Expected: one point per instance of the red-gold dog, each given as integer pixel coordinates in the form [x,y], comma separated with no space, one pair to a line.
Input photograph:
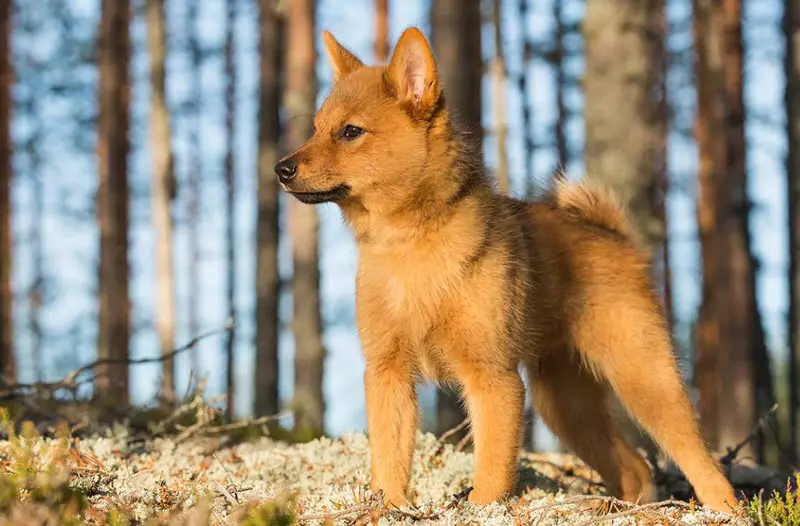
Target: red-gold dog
[458,283]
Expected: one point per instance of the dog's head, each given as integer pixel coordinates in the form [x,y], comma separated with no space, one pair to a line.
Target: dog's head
[372,132]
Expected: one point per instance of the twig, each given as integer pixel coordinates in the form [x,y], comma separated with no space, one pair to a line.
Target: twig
[635,508]
[431,515]
[12,391]
[730,456]
[375,503]
[227,494]
[464,441]
[246,423]
[450,432]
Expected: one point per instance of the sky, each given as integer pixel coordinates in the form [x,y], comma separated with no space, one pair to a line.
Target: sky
[69,177]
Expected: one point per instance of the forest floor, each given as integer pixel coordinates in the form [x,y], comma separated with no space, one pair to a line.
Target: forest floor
[205,473]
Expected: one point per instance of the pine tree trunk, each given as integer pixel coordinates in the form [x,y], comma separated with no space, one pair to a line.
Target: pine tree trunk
[381,31]
[456,31]
[741,320]
[561,84]
[661,116]
[195,175]
[300,103]
[624,131]
[113,148]
[621,134]
[230,184]
[791,63]
[499,77]
[268,228]
[526,105]
[7,356]
[163,191]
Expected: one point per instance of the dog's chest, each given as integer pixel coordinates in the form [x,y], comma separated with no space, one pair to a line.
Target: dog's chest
[413,285]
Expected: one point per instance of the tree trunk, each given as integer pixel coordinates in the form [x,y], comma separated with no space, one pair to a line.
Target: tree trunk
[746,356]
[624,129]
[456,31]
[791,64]
[194,179]
[163,191]
[7,356]
[381,31]
[710,119]
[660,114]
[268,228]
[499,76]
[527,131]
[621,133]
[230,184]
[561,84]
[113,148]
[729,326]
[300,103]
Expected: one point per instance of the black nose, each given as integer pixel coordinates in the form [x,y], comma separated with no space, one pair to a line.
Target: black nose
[286,170]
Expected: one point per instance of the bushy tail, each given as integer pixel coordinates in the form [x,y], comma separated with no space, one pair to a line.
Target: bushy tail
[592,203]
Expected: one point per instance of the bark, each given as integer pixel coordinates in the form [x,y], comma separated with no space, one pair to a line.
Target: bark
[791,64]
[300,102]
[625,131]
[747,375]
[230,184]
[381,31]
[456,32]
[267,227]
[499,77]
[710,118]
[661,117]
[163,191]
[7,356]
[527,130]
[730,335]
[194,178]
[113,148]
[621,133]
[561,84]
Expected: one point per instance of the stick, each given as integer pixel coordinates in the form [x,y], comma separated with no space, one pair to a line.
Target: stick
[70,382]
[730,456]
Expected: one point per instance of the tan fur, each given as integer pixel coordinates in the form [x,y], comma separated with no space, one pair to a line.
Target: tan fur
[458,283]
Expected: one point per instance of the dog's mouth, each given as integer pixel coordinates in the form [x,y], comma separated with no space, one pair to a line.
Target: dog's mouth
[336,193]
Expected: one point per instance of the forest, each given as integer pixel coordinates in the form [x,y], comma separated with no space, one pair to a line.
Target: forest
[154,277]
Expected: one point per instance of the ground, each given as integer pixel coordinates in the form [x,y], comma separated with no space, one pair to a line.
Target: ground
[122,477]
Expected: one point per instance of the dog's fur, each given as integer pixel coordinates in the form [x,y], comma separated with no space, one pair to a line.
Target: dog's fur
[459,283]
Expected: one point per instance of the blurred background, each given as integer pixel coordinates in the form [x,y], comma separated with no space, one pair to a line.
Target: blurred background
[139,208]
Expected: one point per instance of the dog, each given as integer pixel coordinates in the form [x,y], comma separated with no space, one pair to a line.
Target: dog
[459,284]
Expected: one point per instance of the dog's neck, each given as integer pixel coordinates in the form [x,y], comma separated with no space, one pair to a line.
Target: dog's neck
[451,175]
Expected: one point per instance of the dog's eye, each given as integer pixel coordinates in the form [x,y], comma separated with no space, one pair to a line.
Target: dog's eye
[350,132]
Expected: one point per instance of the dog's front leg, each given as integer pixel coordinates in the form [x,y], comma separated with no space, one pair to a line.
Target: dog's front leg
[392,422]
[496,401]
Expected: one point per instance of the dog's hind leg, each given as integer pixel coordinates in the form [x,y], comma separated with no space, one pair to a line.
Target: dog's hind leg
[629,346]
[572,403]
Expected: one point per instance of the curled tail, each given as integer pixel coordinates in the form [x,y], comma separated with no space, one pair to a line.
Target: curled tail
[591,203]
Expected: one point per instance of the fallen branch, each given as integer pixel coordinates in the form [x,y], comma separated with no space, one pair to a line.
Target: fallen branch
[71,382]
[450,432]
[732,453]
[375,504]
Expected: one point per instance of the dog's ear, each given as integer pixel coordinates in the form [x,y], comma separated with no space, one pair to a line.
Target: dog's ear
[342,61]
[413,71]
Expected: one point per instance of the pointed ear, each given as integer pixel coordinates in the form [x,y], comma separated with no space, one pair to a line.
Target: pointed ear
[413,71]
[342,61]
